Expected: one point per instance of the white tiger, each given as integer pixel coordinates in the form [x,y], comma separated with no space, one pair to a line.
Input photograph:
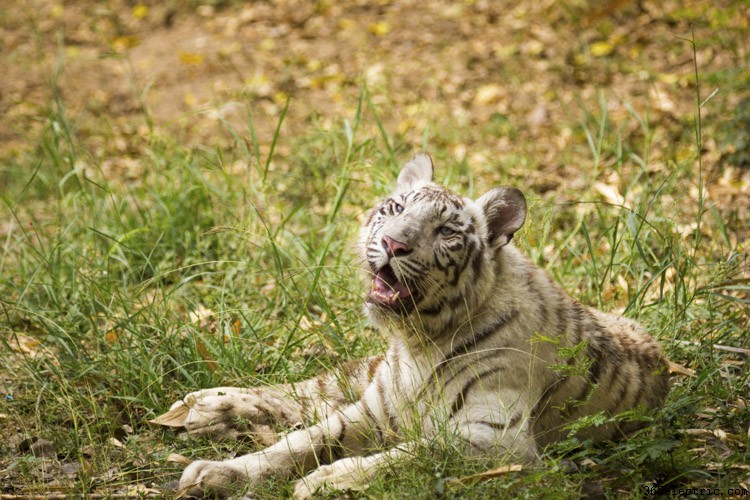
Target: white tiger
[485,349]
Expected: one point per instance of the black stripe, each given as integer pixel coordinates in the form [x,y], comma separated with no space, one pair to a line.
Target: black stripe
[372,367]
[458,403]
[374,421]
[463,349]
[473,360]
[494,425]
[482,334]
[335,447]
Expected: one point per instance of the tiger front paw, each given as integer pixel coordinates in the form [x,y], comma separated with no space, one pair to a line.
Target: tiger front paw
[222,413]
[205,478]
[353,473]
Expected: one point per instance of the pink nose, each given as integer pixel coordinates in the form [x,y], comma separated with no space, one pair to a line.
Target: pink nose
[394,248]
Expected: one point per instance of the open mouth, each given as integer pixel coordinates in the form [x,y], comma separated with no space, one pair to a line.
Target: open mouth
[388,291]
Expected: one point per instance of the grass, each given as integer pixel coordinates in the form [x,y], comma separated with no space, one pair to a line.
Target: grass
[236,266]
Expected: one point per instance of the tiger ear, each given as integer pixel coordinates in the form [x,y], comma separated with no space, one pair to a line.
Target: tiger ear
[416,172]
[505,210]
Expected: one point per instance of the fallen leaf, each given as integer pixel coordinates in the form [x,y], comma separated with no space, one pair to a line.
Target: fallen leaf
[381,28]
[176,458]
[208,359]
[140,11]
[601,49]
[587,462]
[140,490]
[123,43]
[610,193]
[191,59]
[71,470]
[678,369]
[488,94]
[719,434]
[487,475]
[116,443]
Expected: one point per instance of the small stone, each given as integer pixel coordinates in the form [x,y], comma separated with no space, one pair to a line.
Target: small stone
[71,470]
[592,490]
[42,448]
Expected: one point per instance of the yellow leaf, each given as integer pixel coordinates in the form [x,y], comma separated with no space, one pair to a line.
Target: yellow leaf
[190,99]
[208,359]
[405,125]
[280,97]
[381,28]
[267,44]
[176,458]
[72,52]
[191,58]
[140,11]
[668,78]
[601,49]
[57,10]
[487,475]
[314,65]
[488,94]
[346,24]
[122,43]
[678,369]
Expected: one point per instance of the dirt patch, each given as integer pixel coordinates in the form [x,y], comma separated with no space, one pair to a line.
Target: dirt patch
[525,71]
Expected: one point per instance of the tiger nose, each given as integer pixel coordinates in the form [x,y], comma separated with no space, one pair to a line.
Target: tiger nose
[394,248]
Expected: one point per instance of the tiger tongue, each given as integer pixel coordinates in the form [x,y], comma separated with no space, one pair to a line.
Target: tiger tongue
[387,288]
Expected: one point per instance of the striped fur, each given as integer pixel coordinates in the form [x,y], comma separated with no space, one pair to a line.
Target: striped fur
[485,348]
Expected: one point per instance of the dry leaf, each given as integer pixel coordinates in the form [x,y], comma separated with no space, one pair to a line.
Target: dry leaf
[140,11]
[381,28]
[719,434]
[176,458]
[487,475]
[116,443]
[173,418]
[678,369]
[141,490]
[122,43]
[208,359]
[190,58]
[601,49]
[489,94]
[587,462]
[610,193]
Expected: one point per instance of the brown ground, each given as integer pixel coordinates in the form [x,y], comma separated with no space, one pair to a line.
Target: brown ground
[526,68]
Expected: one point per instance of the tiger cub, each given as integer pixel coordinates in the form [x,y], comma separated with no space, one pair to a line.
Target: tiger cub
[485,349]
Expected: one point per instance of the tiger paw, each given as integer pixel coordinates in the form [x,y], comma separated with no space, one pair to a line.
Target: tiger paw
[353,473]
[221,413]
[209,479]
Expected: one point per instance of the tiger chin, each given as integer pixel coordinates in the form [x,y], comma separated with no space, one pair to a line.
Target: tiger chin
[485,350]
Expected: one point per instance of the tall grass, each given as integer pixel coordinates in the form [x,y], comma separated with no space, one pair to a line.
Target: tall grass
[237,267]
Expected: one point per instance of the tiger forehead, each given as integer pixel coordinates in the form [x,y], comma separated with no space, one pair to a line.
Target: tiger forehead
[438,195]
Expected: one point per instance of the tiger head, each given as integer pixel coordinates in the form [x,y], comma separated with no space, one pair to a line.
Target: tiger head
[430,254]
